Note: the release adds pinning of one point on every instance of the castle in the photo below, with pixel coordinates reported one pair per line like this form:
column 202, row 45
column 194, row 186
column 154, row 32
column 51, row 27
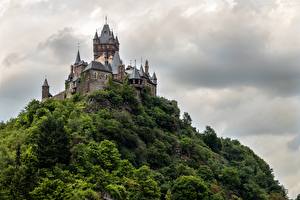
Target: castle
column 85, row 78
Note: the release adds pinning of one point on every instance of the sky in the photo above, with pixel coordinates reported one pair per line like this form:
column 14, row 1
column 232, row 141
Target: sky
column 231, row 64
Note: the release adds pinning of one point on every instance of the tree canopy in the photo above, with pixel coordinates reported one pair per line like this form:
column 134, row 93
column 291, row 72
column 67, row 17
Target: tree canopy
column 113, row 142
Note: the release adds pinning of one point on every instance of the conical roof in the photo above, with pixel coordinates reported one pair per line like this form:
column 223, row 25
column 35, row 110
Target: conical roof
column 105, row 34
column 45, row 83
column 77, row 58
column 96, row 37
column 142, row 73
column 154, row 76
column 116, row 62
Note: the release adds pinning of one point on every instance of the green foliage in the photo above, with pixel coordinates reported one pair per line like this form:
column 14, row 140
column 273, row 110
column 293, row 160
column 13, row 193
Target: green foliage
column 189, row 188
column 210, row 138
column 52, row 142
column 113, row 143
column 187, row 120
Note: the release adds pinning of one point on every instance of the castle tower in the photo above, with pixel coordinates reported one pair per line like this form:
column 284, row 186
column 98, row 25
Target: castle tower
column 147, row 68
column 78, row 66
column 45, row 90
column 105, row 45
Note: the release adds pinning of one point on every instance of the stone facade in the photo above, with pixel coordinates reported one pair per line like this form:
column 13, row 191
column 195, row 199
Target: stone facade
column 86, row 77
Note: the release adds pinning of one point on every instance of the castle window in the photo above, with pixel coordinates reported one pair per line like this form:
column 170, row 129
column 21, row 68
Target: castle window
column 94, row 75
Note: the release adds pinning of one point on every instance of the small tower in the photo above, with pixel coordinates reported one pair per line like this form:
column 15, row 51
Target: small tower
column 154, row 78
column 96, row 43
column 147, row 68
column 45, row 90
column 105, row 44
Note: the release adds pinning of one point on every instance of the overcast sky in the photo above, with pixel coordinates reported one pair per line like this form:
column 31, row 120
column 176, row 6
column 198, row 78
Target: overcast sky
column 232, row 64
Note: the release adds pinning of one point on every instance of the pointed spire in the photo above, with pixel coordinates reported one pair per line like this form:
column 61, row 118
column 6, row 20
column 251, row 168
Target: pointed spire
column 142, row 73
column 154, row 76
column 96, row 37
column 45, row 83
column 117, row 40
column 116, row 62
column 112, row 34
column 77, row 58
column 154, row 79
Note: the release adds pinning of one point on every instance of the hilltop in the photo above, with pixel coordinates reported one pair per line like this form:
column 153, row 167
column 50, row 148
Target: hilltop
column 113, row 143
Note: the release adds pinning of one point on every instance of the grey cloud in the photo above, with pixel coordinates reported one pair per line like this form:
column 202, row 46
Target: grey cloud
column 11, row 59
column 222, row 51
column 233, row 67
column 294, row 144
column 51, row 57
column 61, row 45
column 241, row 111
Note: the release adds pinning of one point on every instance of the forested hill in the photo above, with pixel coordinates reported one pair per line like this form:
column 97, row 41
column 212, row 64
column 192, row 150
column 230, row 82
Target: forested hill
column 112, row 144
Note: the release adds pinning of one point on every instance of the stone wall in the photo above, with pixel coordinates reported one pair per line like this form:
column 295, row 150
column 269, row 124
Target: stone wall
column 60, row 96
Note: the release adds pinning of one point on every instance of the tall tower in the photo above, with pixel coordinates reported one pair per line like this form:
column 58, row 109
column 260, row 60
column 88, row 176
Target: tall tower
column 106, row 44
column 45, row 90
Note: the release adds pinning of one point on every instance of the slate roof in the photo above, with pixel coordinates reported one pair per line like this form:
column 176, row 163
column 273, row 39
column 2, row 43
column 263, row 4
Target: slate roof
column 46, row 83
column 154, row 76
column 96, row 36
column 94, row 65
column 77, row 60
column 116, row 62
column 105, row 34
column 135, row 74
column 142, row 73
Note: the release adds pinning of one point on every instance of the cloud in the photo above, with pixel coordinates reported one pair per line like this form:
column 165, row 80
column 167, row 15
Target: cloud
column 294, row 143
column 223, row 49
column 24, row 73
column 241, row 111
column 232, row 64
column 61, row 45
column 11, row 59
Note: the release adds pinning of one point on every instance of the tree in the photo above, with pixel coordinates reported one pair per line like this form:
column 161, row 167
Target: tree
column 211, row 140
column 50, row 189
column 189, row 188
column 231, row 177
column 117, row 192
column 53, row 144
column 143, row 187
column 298, row 197
column 105, row 154
column 187, row 120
